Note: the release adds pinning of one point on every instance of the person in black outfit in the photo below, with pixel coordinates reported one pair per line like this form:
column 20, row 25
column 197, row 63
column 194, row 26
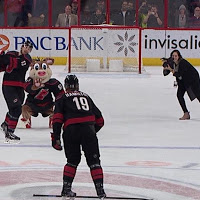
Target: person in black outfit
column 124, row 16
column 15, row 64
column 81, row 120
column 86, row 15
column 98, row 17
column 188, row 80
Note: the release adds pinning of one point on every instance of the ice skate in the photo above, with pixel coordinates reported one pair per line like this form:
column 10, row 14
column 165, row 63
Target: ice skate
column 186, row 116
column 10, row 137
column 67, row 193
column 100, row 191
column 68, row 198
column 101, row 194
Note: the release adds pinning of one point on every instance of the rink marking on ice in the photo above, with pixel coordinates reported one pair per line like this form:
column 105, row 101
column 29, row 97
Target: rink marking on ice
column 139, row 185
column 54, row 187
column 107, row 147
column 48, row 167
column 190, row 165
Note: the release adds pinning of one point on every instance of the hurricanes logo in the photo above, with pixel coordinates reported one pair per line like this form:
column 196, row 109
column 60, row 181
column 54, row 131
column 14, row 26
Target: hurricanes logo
column 126, row 43
column 4, row 42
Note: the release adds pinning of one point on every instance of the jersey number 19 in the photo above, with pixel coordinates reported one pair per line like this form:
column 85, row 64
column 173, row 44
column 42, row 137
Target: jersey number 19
column 81, row 103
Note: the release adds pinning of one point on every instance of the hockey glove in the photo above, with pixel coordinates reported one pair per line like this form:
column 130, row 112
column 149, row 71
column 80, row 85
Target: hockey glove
column 56, row 143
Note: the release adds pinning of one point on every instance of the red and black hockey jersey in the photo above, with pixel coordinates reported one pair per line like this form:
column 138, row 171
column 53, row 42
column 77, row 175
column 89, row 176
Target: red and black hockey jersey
column 43, row 96
column 74, row 108
column 15, row 67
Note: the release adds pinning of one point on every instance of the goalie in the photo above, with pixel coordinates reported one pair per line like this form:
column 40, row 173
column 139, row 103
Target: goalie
column 40, row 88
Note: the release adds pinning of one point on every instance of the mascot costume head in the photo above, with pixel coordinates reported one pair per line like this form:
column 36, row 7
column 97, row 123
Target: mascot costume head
column 40, row 71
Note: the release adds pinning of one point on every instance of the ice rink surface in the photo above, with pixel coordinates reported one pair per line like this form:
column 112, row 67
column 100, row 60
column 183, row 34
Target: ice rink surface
column 146, row 151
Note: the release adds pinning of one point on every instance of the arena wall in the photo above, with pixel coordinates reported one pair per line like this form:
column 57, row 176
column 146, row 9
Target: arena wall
column 155, row 44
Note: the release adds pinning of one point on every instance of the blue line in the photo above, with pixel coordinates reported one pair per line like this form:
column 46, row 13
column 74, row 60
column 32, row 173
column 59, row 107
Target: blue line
column 106, row 147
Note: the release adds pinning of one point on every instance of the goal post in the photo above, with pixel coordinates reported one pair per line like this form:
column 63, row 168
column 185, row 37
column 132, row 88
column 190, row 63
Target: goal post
column 104, row 49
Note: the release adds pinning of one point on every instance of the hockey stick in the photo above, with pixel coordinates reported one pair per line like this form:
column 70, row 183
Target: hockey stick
column 89, row 197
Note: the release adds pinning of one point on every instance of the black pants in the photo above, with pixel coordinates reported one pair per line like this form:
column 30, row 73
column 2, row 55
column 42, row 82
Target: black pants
column 180, row 95
column 79, row 136
column 14, row 97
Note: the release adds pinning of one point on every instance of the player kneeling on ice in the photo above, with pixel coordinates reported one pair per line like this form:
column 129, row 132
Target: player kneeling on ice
column 40, row 88
column 80, row 119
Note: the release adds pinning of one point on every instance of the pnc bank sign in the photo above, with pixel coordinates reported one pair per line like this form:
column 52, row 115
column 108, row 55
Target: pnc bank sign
column 60, row 43
column 52, row 43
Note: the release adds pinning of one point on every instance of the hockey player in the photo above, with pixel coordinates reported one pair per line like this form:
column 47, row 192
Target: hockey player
column 15, row 66
column 81, row 120
column 41, row 89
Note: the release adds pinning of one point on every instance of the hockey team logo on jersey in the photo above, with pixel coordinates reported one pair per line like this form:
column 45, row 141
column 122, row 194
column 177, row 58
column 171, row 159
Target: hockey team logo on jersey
column 42, row 94
column 126, row 43
column 4, row 42
column 23, row 63
column 15, row 100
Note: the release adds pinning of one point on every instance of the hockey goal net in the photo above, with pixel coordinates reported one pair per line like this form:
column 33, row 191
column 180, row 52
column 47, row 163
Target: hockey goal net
column 104, row 49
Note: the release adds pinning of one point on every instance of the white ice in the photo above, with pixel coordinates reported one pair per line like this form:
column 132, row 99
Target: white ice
column 146, row 151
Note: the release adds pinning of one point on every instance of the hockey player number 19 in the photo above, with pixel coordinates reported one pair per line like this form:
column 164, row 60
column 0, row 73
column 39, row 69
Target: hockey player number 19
column 81, row 103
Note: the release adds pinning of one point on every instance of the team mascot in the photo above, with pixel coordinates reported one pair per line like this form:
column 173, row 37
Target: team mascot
column 42, row 92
